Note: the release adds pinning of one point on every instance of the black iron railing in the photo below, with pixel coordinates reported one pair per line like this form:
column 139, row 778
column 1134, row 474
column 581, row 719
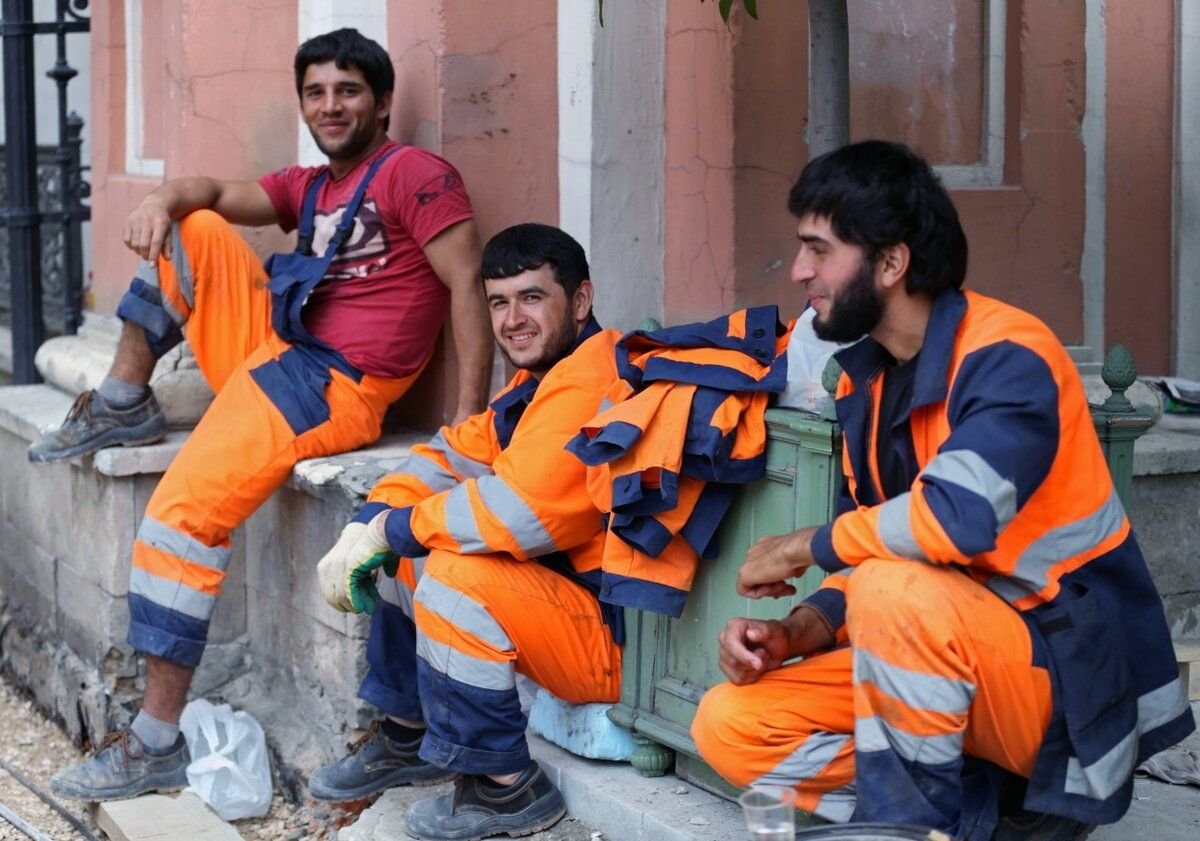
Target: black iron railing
column 30, row 202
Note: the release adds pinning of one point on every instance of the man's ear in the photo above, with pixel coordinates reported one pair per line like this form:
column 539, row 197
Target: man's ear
column 383, row 106
column 893, row 265
column 581, row 304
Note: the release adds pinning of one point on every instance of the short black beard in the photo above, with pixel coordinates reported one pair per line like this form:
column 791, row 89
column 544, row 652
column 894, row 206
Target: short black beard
column 558, row 348
column 856, row 309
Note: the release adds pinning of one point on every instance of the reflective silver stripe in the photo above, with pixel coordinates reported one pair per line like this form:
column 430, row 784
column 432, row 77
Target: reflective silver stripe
column 968, row 470
column 429, row 472
column 507, row 506
column 1159, row 706
column 183, row 269
column 396, row 593
column 918, row 690
column 465, row 467
column 153, row 533
column 874, row 734
column 806, row 761
column 894, row 528
column 172, row 595
column 1058, row 544
column 1108, row 773
column 460, row 522
column 461, row 610
column 464, row 668
column 837, row 805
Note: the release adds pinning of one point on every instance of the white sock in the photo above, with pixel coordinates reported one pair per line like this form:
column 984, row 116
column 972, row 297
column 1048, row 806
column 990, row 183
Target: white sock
column 120, row 393
column 157, row 736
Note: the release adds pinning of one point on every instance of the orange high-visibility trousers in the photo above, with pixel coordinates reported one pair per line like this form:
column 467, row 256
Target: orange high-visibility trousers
column 275, row 404
column 938, row 667
column 480, row 619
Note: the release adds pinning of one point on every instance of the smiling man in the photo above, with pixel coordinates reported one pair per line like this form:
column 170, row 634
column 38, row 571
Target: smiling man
column 988, row 653
column 511, row 578
column 304, row 354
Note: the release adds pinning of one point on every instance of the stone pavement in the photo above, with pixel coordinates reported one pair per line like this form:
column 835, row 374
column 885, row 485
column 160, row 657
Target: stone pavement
column 615, row 801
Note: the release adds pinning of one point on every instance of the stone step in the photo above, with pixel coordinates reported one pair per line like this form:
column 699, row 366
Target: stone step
column 1187, row 655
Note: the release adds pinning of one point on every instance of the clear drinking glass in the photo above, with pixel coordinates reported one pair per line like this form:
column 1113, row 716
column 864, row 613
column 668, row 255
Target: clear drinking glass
column 770, row 812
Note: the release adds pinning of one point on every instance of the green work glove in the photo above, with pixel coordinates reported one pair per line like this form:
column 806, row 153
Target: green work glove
column 347, row 572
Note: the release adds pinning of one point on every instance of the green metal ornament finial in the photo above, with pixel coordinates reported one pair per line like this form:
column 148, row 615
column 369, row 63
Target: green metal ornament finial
column 1118, row 374
column 831, row 375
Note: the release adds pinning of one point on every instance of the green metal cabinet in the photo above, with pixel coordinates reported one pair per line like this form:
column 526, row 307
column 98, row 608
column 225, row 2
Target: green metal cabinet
column 669, row 663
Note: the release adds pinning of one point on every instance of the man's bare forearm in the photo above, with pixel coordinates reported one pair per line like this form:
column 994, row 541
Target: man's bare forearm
column 473, row 341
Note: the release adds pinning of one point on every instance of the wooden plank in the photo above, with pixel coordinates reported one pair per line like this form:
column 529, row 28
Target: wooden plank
column 155, row 817
column 1187, row 655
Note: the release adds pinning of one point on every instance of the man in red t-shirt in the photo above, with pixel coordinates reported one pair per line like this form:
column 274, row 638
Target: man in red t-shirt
column 304, row 354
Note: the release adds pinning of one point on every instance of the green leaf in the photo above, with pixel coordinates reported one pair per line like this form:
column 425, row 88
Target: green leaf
column 725, row 6
column 751, row 8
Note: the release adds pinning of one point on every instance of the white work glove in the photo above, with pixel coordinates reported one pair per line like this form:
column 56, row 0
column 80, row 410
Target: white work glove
column 347, row 573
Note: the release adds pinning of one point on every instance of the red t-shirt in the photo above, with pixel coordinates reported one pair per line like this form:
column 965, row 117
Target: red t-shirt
column 381, row 304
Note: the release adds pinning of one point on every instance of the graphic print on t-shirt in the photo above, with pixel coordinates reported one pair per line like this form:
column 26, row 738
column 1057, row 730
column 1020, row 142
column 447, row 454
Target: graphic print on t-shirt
column 435, row 187
column 366, row 249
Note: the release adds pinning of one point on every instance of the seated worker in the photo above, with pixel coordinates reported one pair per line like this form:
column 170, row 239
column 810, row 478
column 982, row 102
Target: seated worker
column 511, row 580
column 304, row 356
column 964, row 660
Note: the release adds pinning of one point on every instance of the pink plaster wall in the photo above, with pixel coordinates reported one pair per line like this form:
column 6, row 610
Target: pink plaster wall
column 482, row 91
column 1026, row 236
column 1138, row 306
column 698, row 220
column 918, row 75
column 224, row 105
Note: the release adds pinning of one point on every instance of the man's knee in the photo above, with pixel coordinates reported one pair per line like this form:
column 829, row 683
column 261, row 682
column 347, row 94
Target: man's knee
column 714, row 730
column 893, row 591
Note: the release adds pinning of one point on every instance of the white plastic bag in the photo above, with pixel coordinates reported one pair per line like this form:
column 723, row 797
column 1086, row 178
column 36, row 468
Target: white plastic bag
column 806, row 359
column 229, row 770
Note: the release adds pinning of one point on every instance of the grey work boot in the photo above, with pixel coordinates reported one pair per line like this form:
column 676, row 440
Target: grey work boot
column 122, row 768
column 374, row 763
column 1033, row 826
column 479, row 808
column 92, row 424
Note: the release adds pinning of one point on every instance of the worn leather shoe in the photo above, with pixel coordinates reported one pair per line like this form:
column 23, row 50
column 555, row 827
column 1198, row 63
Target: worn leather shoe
column 479, row 808
column 374, row 763
column 1033, row 826
column 122, row 768
column 92, row 424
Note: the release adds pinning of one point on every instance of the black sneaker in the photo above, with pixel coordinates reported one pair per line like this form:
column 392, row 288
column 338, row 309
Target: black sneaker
column 374, row 763
column 1033, row 826
column 92, row 424
column 479, row 808
column 122, row 768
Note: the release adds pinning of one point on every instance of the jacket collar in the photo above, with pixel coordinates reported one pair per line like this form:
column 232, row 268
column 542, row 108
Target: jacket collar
column 862, row 361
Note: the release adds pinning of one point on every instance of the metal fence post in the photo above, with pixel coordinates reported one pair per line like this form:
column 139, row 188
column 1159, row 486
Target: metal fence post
column 1118, row 422
column 23, row 217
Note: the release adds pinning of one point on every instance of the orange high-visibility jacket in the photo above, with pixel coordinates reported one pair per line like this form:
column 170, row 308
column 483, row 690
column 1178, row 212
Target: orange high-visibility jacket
column 1011, row 486
column 501, row 481
column 686, row 423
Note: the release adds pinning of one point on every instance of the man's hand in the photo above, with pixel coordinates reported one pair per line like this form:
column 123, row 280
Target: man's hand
column 347, row 572
column 749, row 648
column 772, row 561
column 148, row 229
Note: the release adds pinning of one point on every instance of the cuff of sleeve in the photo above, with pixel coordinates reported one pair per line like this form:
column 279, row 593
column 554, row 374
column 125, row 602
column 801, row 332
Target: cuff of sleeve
column 368, row 512
column 830, row 606
column 398, row 529
column 823, row 551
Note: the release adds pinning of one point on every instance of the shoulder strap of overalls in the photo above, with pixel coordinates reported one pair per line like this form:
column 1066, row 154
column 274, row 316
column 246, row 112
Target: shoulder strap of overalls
column 346, row 225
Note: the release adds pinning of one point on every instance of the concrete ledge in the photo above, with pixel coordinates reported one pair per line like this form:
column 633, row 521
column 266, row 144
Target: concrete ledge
column 612, row 797
column 1171, row 446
